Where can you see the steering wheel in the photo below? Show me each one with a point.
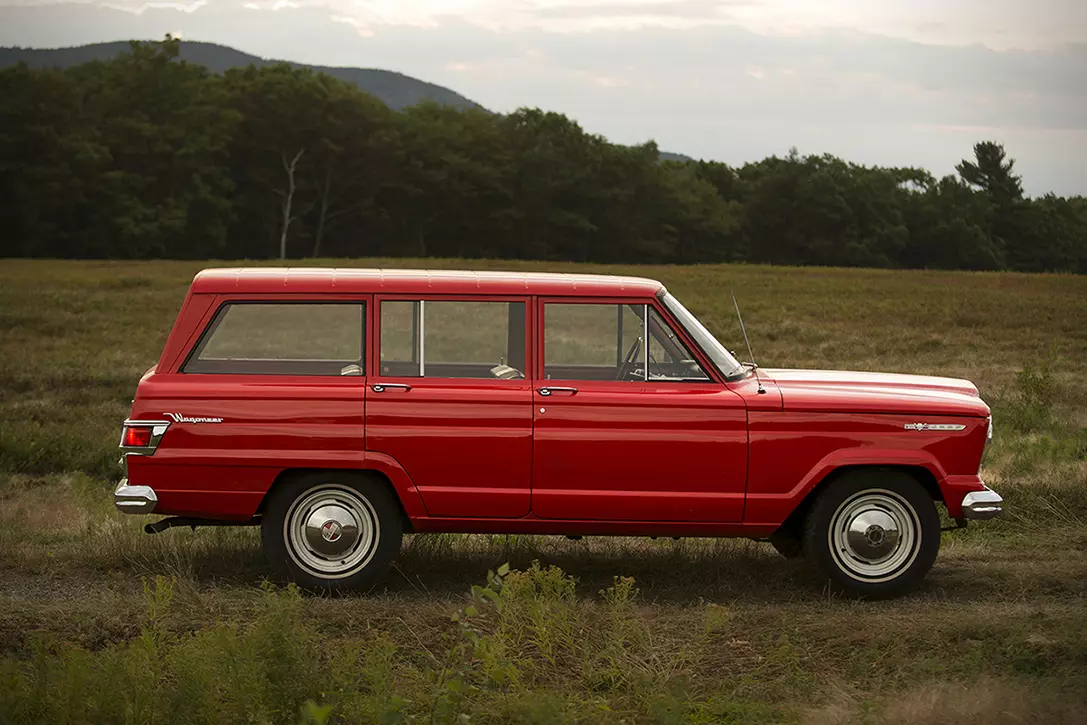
(628, 361)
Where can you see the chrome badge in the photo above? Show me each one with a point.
(331, 531)
(179, 418)
(934, 426)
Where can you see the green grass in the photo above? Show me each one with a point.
(101, 623)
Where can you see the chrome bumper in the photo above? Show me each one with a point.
(134, 499)
(980, 505)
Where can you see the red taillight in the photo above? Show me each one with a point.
(136, 436)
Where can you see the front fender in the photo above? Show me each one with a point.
(773, 507)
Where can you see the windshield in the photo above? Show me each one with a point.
(721, 357)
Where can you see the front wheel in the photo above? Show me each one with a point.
(331, 531)
(873, 534)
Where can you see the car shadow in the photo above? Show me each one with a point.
(663, 570)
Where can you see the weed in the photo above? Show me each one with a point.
(695, 631)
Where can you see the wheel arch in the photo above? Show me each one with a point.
(794, 522)
(393, 478)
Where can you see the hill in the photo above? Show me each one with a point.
(395, 89)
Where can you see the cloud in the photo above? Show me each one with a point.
(686, 9)
(715, 90)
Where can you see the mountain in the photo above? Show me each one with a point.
(395, 89)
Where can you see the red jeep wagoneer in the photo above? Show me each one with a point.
(340, 408)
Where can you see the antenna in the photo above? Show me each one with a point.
(754, 365)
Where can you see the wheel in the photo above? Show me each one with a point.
(873, 534)
(331, 531)
(787, 543)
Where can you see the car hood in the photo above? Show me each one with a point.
(847, 391)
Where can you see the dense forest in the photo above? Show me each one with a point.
(148, 156)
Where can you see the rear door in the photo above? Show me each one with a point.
(449, 400)
(622, 440)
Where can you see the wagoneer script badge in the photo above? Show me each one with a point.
(179, 418)
(934, 426)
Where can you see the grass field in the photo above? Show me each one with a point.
(101, 623)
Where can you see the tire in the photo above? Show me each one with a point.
(873, 534)
(331, 531)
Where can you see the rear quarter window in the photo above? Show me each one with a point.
(292, 338)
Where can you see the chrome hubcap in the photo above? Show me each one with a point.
(874, 535)
(331, 531)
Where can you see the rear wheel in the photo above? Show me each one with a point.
(331, 531)
(873, 534)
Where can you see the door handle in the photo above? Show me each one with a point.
(382, 387)
(550, 390)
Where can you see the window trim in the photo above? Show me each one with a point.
(219, 314)
(711, 371)
(375, 349)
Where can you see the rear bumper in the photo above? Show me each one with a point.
(981, 505)
(134, 499)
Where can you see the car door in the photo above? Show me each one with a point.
(450, 402)
(628, 424)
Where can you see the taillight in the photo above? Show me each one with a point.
(142, 436)
(136, 437)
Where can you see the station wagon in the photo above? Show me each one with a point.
(339, 409)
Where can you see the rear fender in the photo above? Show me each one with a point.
(388, 467)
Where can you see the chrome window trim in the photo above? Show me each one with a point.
(645, 343)
(422, 337)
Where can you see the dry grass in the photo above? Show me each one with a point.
(712, 631)
(985, 701)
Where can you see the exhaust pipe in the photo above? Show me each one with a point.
(157, 527)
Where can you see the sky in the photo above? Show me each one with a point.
(888, 82)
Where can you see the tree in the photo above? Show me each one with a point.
(281, 110)
(163, 188)
(288, 199)
(949, 228)
(148, 156)
(990, 172)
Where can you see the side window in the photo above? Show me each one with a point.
(586, 341)
(452, 339)
(292, 338)
(669, 358)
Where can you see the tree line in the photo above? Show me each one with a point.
(147, 156)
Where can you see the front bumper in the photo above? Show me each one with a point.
(981, 505)
(134, 499)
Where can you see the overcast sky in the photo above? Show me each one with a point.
(894, 82)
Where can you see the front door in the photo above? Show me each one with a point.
(449, 401)
(628, 424)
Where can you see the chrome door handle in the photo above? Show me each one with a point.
(382, 387)
(549, 390)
